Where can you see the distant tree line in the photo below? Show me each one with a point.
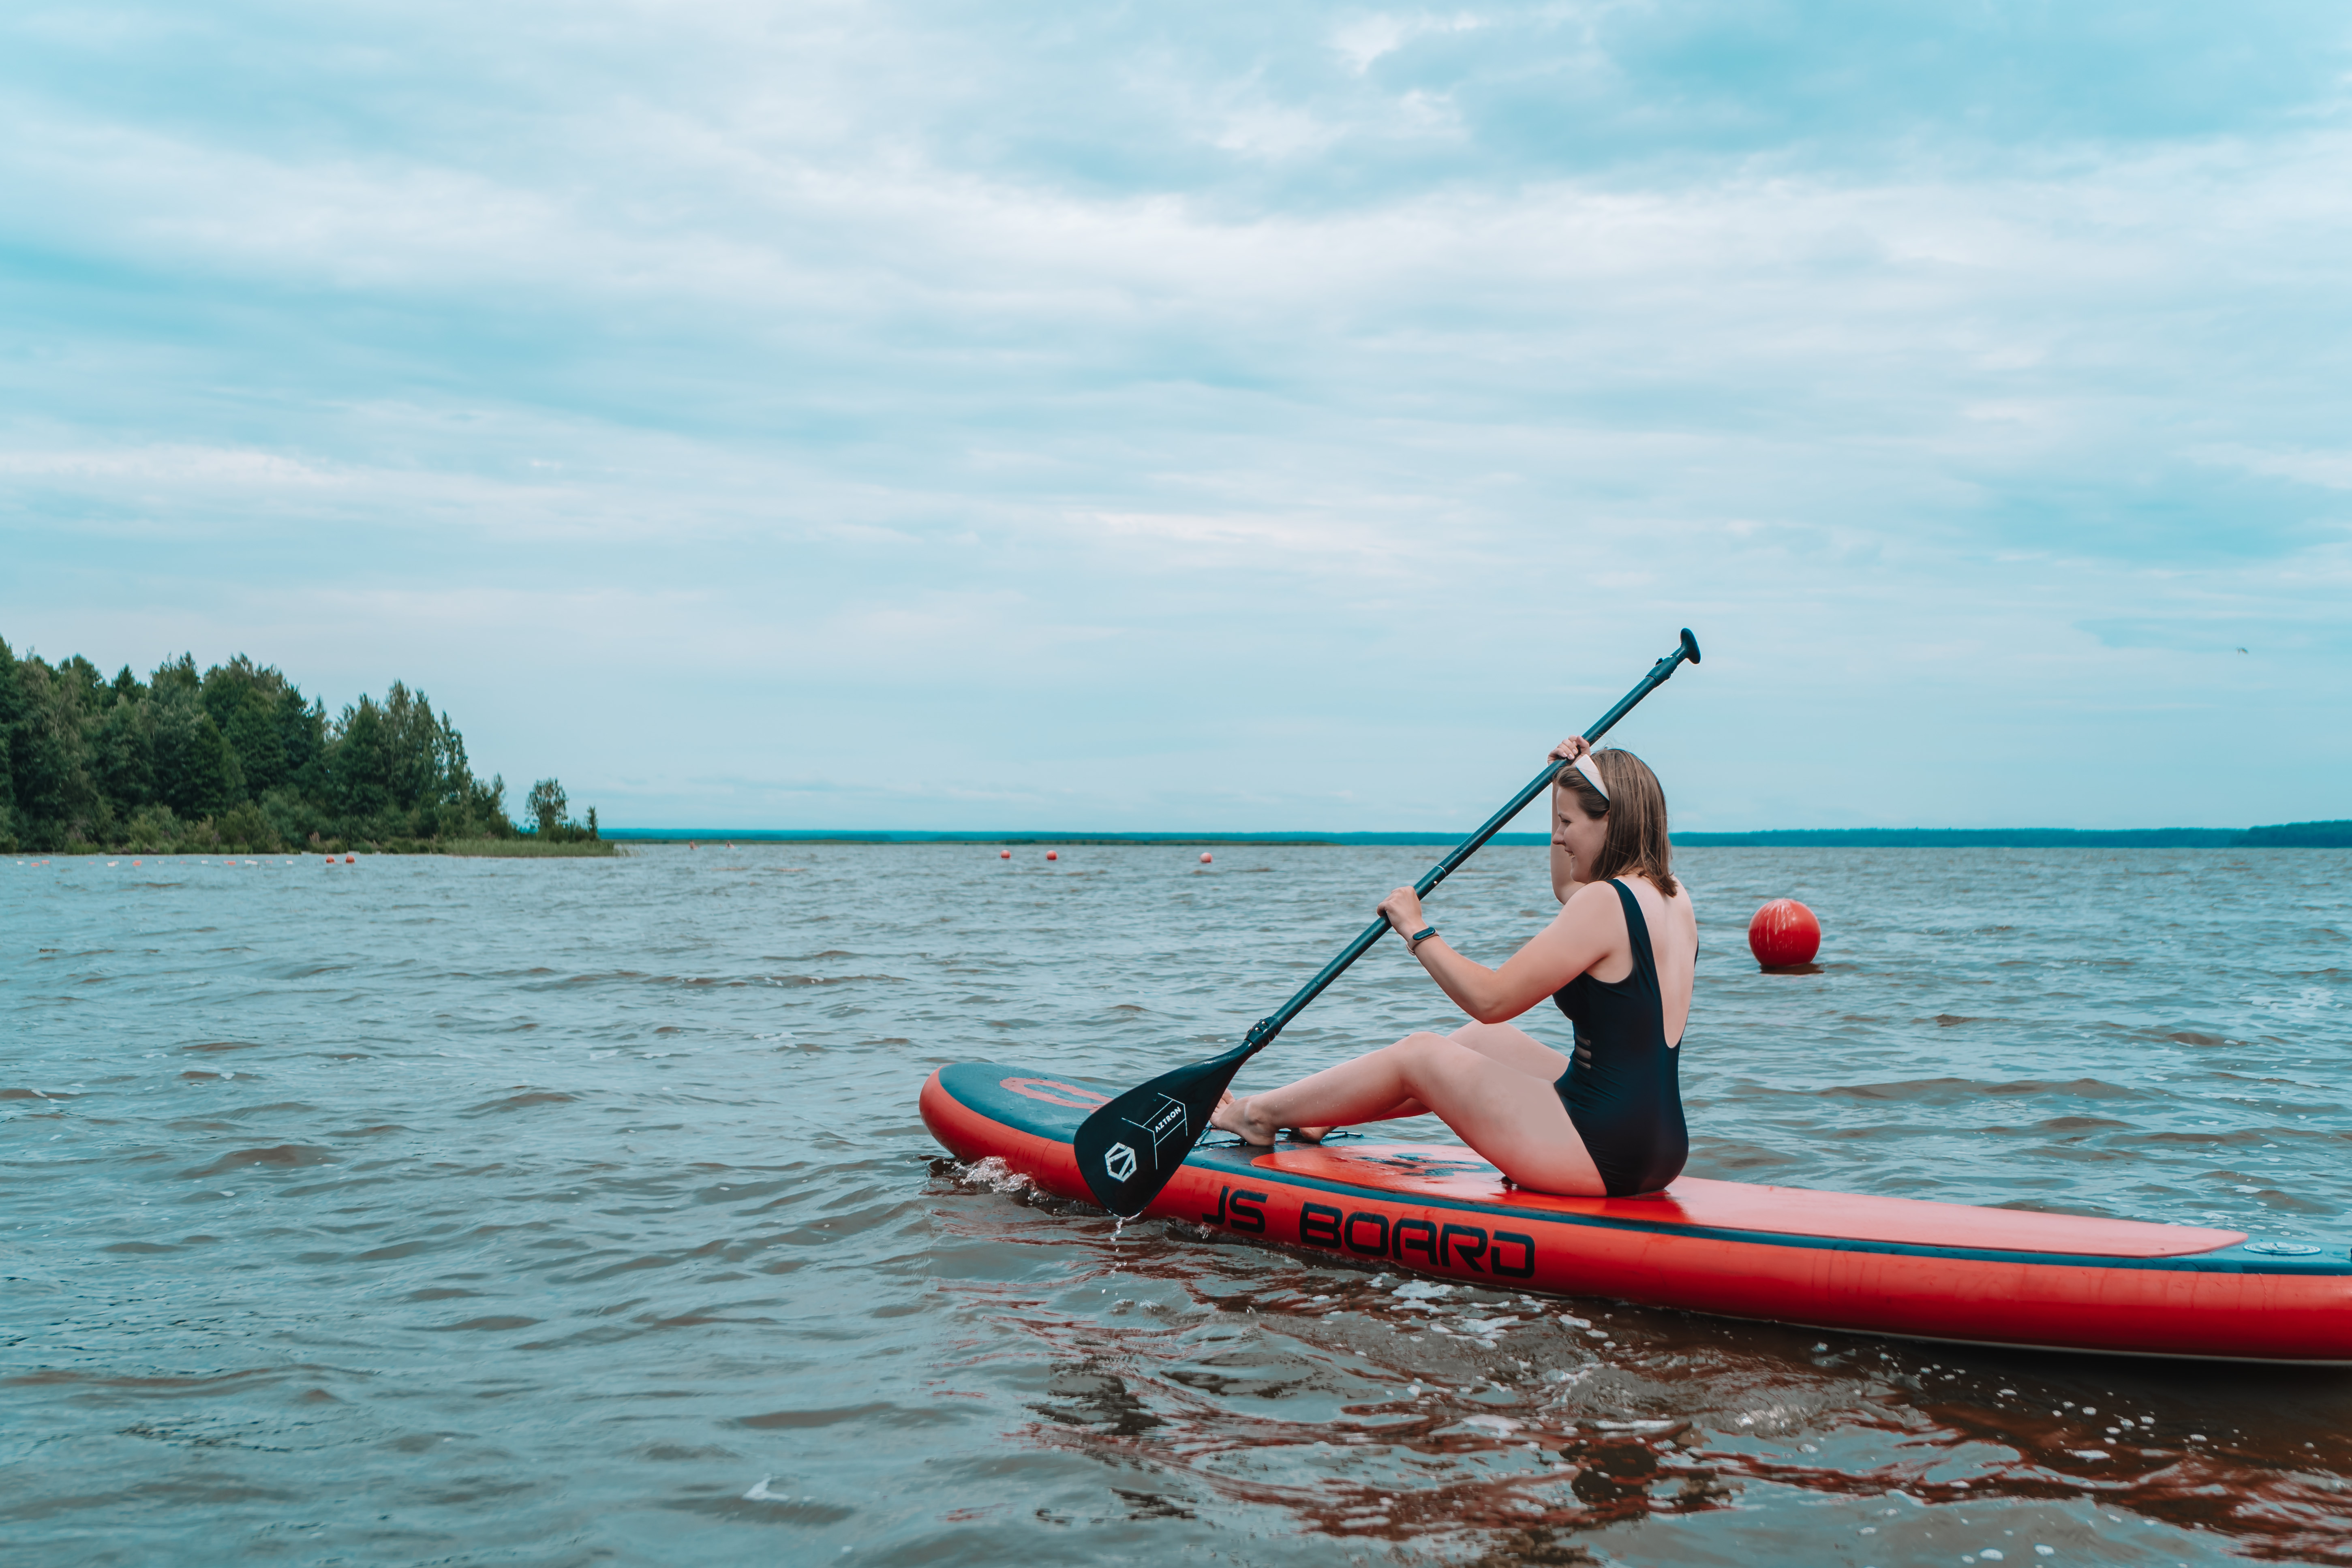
(236, 758)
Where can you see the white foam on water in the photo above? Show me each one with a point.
(996, 1176)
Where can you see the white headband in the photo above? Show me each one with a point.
(1583, 764)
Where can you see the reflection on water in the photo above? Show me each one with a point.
(569, 1211)
(1505, 1427)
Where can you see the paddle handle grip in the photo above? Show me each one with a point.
(1263, 1032)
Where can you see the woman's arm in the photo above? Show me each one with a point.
(1587, 928)
(1563, 869)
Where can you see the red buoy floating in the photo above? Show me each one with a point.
(1005, 855)
(1783, 934)
(1204, 857)
(1053, 854)
(351, 860)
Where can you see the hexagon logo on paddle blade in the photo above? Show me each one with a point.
(1129, 1149)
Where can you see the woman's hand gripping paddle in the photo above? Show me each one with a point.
(1129, 1149)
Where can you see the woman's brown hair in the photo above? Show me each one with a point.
(1636, 811)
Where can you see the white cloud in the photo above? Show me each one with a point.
(2332, 469)
(1362, 41)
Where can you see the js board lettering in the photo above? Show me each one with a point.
(1507, 1253)
(1238, 1211)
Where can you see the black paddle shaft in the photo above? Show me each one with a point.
(1127, 1148)
(1263, 1032)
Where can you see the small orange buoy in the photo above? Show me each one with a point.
(351, 860)
(1204, 858)
(1005, 855)
(1053, 854)
(1784, 933)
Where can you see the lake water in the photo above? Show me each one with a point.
(569, 1211)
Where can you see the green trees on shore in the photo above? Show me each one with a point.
(550, 815)
(231, 758)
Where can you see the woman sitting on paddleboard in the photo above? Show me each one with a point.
(1619, 959)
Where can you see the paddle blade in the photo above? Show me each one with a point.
(1129, 1149)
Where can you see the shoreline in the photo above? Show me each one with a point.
(519, 848)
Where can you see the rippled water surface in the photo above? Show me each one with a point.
(458, 1212)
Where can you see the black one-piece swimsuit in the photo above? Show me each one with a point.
(1621, 1088)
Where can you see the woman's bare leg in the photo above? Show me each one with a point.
(1493, 1107)
(1505, 1043)
(1513, 1048)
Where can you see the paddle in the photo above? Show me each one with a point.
(1129, 1149)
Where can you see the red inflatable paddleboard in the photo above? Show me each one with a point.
(1828, 1260)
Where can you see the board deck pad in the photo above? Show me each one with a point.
(1436, 1171)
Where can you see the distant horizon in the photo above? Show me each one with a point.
(2328, 833)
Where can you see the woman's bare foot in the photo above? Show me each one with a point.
(1232, 1115)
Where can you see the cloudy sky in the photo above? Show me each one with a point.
(1211, 417)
